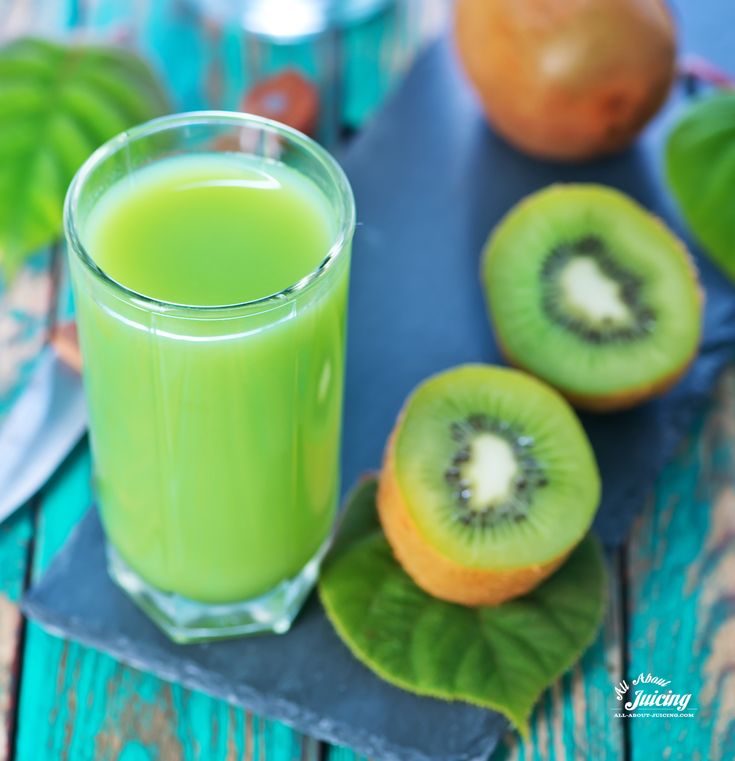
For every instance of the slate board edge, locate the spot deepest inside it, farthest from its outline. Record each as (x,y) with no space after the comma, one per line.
(202,680)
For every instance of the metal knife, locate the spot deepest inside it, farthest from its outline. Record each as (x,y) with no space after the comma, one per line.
(43,425)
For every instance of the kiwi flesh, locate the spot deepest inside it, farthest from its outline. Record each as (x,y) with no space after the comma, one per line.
(588,291)
(488,483)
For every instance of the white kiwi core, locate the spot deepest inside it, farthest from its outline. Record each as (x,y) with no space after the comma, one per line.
(592,292)
(490,471)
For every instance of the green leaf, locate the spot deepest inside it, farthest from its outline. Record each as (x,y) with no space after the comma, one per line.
(500,657)
(359,518)
(700,166)
(57,104)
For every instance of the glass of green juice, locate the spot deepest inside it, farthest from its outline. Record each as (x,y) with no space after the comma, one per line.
(209,256)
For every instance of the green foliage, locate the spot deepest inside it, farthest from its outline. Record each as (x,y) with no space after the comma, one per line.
(700,165)
(500,657)
(57,104)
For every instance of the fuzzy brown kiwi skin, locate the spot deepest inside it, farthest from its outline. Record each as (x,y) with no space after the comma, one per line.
(625,398)
(432,571)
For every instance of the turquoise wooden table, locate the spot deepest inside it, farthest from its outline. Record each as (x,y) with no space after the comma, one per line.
(672,587)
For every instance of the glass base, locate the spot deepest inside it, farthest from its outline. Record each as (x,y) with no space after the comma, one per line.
(186,621)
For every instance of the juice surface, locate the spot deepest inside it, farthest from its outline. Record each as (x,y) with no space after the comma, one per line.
(215,441)
(210,230)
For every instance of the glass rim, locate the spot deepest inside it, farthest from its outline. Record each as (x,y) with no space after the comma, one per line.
(345,216)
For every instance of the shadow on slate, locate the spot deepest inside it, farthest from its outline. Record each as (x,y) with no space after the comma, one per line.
(430,181)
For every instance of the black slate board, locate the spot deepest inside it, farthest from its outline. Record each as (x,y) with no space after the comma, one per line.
(430,181)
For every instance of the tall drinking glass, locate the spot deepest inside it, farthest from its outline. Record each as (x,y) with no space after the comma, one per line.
(209,255)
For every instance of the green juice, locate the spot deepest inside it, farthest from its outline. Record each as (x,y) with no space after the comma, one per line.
(215,432)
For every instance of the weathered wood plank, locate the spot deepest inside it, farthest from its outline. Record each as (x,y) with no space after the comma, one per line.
(24,312)
(681,579)
(338,753)
(15,538)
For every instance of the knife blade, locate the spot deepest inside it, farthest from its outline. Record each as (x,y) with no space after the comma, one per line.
(43,425)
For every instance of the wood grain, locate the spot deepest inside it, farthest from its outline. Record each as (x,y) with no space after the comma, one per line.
(15,539)
(681,579)
(338,753)
(25,306)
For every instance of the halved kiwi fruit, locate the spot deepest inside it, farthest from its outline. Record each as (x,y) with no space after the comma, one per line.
(591,293)
(488,483)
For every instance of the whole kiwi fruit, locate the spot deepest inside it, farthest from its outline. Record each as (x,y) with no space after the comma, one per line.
(567,79)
